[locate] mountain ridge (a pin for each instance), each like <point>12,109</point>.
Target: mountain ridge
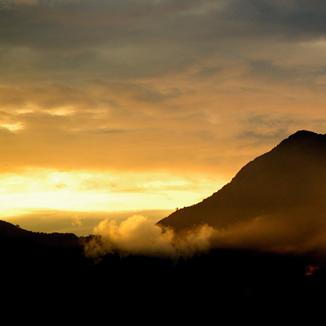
<point>290,175</point>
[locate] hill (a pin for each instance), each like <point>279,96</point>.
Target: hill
<point>291,178</point>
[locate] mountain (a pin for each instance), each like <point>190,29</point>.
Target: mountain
<point>10,232</point>
<point>290,178</point>
<point>37,254</point>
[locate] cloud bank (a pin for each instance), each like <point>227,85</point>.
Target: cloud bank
<point>291,232</point>
<point>142,236</point>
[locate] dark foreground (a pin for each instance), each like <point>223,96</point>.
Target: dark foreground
<point>39,268</point>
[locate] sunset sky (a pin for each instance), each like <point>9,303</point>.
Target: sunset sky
<point>112,106</point>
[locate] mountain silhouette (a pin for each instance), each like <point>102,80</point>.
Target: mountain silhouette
<point>290,179</point>
<point>10,232</point>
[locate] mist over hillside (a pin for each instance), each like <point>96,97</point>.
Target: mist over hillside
<point>276,201</point>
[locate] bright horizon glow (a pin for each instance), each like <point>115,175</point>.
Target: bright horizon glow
<point>76,191</point>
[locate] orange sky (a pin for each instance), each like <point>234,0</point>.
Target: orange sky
<point>124,105</point>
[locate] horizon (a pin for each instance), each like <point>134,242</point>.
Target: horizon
<point>85,222</point>
<point>110,107</point>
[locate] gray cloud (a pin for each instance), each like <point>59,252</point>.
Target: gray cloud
<point>123,39</point>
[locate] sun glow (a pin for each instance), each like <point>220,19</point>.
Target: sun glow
<point>35,190</point>
<point>12,127</point>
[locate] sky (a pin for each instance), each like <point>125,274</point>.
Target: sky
<point>111,106</point>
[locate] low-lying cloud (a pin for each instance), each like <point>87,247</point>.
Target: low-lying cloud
<point>136,234</point>
<point>277,233</point>
<point>140,235</point>
<point>294,232</point>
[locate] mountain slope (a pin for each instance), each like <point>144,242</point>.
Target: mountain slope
<point>10,232</point>
<point>291,177</point>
